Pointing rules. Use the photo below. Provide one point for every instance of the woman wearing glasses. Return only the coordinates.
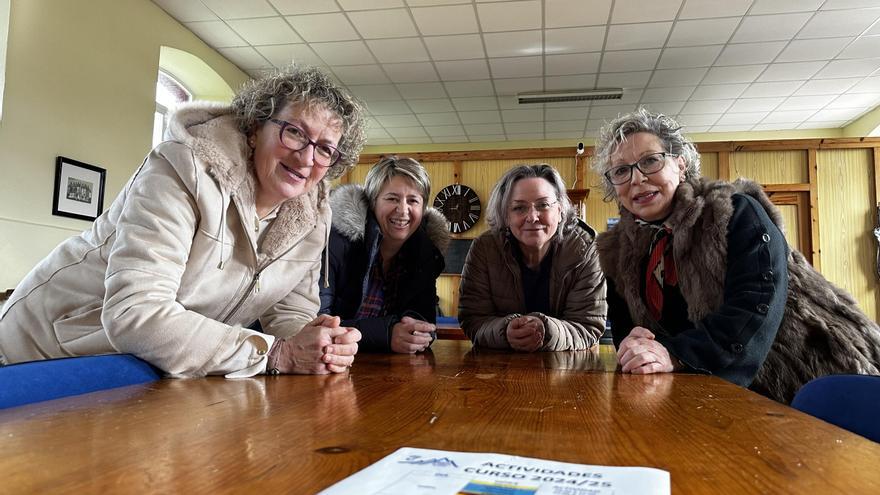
(223, 224)
(385, 254)
(701, 279)
(533, 282)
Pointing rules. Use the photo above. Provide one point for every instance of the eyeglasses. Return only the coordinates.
(522, 209)
(295, 139)
(647, 165)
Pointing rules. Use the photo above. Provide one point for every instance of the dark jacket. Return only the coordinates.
(492, 291)
(354, 247)
(758, 314)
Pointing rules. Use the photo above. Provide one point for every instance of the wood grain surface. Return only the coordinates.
(300, 434)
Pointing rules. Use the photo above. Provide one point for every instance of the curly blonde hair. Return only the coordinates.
(260, 99)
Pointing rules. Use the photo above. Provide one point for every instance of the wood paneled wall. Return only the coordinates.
(839, 194)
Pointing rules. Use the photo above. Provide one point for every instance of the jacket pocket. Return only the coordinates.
(82, 334)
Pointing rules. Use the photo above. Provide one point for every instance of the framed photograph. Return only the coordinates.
(79, 189)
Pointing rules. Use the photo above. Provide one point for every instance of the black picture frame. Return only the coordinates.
(79, 189)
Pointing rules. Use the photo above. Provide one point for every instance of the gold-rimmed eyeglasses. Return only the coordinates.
(522, 208)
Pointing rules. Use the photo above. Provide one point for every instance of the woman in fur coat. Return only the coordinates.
(701, 278)
(385, 254)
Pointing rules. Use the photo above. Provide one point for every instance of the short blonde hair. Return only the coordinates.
(391, 166)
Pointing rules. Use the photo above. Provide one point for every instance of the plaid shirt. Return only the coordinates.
(379, 285)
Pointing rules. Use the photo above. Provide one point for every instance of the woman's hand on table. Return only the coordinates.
(525, 333)
(321, 347)
(410, 335)
(639, 353)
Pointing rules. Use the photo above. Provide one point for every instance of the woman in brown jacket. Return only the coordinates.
(533, 282)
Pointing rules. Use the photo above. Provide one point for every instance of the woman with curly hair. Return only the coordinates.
(223, 224)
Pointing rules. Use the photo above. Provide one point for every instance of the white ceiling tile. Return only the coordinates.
(848, 68)
(470, 88)
(216, 34)
(377, 133)
(767, 89)
(572, 63)
(480, 117)
(718, 91)
(456, 47)
(828, 24)
(298, 7)
(398, 50)
(698, 119)
(629, 61)
(750, 118)
(568, 13)
(634, 80)
(822, 125)
(373, 92)
(421, 90)
(435, 105)
(610, 112)
(733, 74)
(677, 77)
(383, 23)
(391, 107)
(235, 9)
(370, 4)
(463, 70)
(706, 106)
(259, 73)
(681, 58)
(787, 116)
(835, 114)
(595, 124)
(245, 57)
(518, 85)
(510, 16)
(515, 44)
(868, 85)
(774, 127)
(732, 128)
(627, 11)
(411, 72)
(819, 49)
(750, 53)
(755, 104)
(714, 8)
(526, 136)
(783, 6)
(426, 3)
(769, 27)
(565, 134)
(702, 31)
(406, 120)
(343, 52)
(186, 11)
(450, 139)
(848, 4)
(565, 125)
(861, 100)
(555, 83)
(574, 113)
(281, 55)
(635, 36)
(791, 71)
(265, 31)
(805, 102)
(323, 27)
(360, 74)
(516, 67)
(484, 129)
(521, 127)
(828, 86)
(476, 103)
(697, 129)
(677, 93)
(408, 135)
(451, 19)
(489, 138)
(444, 130)
(524, 115)
(666, 107)
(574, 40)
(864, 47)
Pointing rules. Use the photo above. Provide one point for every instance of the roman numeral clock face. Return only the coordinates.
(460, 205)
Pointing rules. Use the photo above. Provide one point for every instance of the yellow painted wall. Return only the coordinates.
(80, 82)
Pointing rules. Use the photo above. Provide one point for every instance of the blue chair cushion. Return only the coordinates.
(848, 401)
(37, 381)
(447, 320)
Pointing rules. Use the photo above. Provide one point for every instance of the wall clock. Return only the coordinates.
(460, 205)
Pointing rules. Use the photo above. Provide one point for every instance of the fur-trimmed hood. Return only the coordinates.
(210, 131)
(351, 207)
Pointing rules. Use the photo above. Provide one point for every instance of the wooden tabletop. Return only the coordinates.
(300, 434)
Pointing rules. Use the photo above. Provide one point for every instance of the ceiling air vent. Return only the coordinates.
(582, 95)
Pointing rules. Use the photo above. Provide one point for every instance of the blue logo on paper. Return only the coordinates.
(431, 461)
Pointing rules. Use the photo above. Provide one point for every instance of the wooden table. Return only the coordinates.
(299, 434)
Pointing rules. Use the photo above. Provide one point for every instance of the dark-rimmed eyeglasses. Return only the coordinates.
(295, 139)
(647, 165)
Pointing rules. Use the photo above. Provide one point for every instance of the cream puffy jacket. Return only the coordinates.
(172, 270)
